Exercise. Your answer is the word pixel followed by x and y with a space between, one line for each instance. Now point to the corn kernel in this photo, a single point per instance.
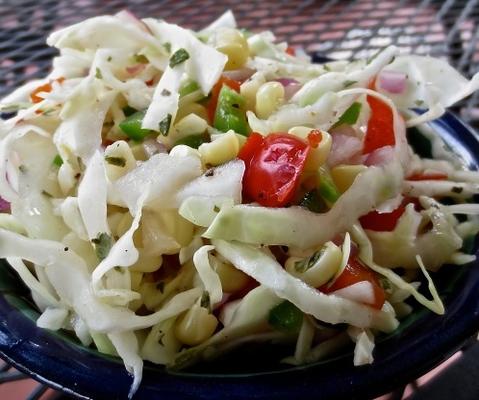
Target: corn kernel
pixel 232 279
pixel 195 326
pixel 317 156
pixel 250 87
pixel 223 149
pixel 269 97
pixel 322 270
pixel 191 108
pixel 232 43
pixel 344 175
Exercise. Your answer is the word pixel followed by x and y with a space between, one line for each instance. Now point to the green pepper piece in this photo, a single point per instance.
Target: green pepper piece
pixel 187 88
pixel 286 317
pixel 350 116
pixel 231 112
pixel 194 141
pixel 131 126
pixel 57 161
pixel 327 189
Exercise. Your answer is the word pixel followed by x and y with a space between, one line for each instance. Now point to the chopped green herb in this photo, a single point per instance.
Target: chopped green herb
pixel 48 111
pixel 350 116
pixel 327 67
pixel 179 56
pixel 307 263
pixel 457 189
pixel 164 125
pixel 419 103
pixel 57 161
pixel 109 58
pixel 216 209
pixel 117 161
pixel 161 335
pixel 45 193
pixel 22 168
pixel 98 74
pixel 385 283
pixel 165 92
pixel 167 46
pixel 348 83
pixel 13 107
pixel 205 301
pixel 161 286
pixel 370 59
pixel 102 245
pixel 286 317
pixel 140 58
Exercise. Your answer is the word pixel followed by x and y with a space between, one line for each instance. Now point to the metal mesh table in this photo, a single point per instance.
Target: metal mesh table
pixel 334 28
pixel 338 29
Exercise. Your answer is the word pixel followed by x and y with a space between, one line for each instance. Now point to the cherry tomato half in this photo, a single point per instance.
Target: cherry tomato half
pixel 355 272
pixel 273 167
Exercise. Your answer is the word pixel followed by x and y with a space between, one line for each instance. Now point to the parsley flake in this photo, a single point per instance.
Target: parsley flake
pixel 348 83
pixel 141 59
pixel 102 243
pixel 178 57
pixel 117 161
pixel 164 125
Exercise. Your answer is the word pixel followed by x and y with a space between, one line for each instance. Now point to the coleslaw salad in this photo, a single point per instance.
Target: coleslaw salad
pixel 169 195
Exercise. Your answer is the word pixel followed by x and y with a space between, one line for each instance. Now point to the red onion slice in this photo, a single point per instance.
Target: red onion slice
pixel 152 147
pixel 291 86
pixel 128 16
pixel 135 69
pixel 392 81
pixel 239 75
pixel 344 149
pixel 287 81
pixel 4 205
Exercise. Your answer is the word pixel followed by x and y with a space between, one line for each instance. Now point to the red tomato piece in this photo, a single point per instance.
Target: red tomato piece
pixel 314 138
pixel 436 176
pixel 355 272
pixel 215 92
pixel 382 222
pixel 273 168
pixel 254 142
pixel 380 131
pixel 291 51
pixel 47 87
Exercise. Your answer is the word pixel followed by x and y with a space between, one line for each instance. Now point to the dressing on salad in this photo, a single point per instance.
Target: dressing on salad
pixel 169 195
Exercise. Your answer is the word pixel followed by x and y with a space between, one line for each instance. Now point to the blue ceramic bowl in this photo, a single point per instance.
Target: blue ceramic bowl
pixel 422 341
